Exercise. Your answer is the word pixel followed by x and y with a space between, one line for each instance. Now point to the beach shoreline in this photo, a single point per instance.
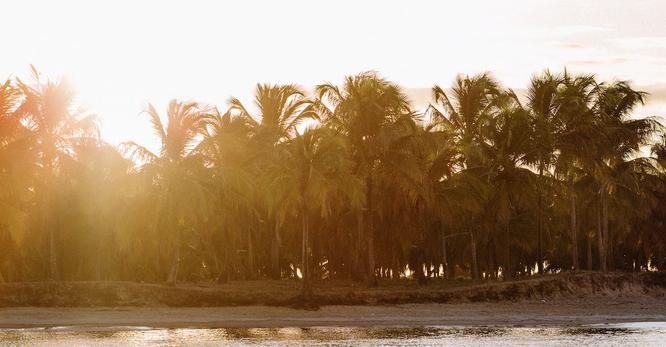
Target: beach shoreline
pixel 287 293
pixel 542 313
pixel 557 300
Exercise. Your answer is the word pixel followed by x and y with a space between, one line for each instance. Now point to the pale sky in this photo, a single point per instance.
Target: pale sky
pixel 120 55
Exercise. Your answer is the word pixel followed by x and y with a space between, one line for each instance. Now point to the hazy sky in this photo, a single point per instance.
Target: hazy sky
pixel 123 54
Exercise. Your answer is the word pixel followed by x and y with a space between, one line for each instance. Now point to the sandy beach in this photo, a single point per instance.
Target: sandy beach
pixel 558 312
pixel 568 299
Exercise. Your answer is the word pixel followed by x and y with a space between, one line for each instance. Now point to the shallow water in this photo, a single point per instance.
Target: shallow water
pixel 629 334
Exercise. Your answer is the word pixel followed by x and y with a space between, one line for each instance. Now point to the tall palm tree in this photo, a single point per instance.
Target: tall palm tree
pixel 435 153
pixel 371 113
pixel 469 107
pixel 226 147
pixel 543 105
pixel 506 173
pixel 47 111
pixel 621 137
pixel 281 109
pixel 575 141
pixel 659 151
pixel 314 172
pixel 174 171
pixel 15 169
pixel 101 178
pixel 493 184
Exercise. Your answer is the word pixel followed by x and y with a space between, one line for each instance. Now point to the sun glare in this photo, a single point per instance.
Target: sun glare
pixel 123 54
pixel 214 172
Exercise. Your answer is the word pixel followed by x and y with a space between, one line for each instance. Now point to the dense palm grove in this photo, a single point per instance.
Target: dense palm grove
pixel 349 183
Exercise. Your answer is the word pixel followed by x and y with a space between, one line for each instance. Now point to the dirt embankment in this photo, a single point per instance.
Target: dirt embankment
pixel 286 293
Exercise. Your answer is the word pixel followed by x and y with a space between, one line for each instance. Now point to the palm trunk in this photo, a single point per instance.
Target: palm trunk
pixel 574 236
pixel 509 273
pixel 53 261
pixel 250 254
pixel 589 251
pixel 604 224
pixel 395 267
pixel 358 270
pixel 98 260
pixel 451 270
pixel 175 264
pixel 445 263
pixel 306 290
pixel 2 278
pixel 228 264
pixel 162 223
pixel 451 265
pixel 600 236
pixel 475 267
pixel 275 252
pixel 372 279
pixel 218 268
pixel 48 224
pixel 350 255
pixel 539 223
pixel 422 277
pixel 99 246
pixel 492 260
pixel 610 264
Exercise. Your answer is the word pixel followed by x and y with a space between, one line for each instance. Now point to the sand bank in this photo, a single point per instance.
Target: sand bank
pixel 558 312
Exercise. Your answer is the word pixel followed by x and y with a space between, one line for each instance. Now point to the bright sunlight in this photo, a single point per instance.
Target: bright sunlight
pixel 333 173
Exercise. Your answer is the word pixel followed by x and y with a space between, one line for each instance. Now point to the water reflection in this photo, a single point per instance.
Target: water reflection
pixel 633 334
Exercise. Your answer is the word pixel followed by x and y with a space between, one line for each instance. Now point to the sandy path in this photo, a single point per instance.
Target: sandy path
pixel 570 312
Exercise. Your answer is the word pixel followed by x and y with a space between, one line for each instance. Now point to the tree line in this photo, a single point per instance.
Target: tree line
pixel 350 182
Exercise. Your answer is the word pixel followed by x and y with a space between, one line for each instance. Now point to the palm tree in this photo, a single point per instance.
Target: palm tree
pixel 621 137
pixel 226 147
pixel 15 169
pixel 174 171
pixel 659 152
pixel 55 125
pixel 543 104
pixel 575 140
pixel 470 108
pixel 313 172
pixel 509 141
pixel 281 109
pixel 101 177
pixel 492 184
pixel 435 152
pixel 637 188
pixel 371 113
pixel 466 111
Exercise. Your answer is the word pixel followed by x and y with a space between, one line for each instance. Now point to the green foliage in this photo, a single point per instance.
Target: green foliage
pixel 351 183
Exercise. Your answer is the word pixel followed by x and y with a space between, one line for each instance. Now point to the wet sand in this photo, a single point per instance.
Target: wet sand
pixel 534 313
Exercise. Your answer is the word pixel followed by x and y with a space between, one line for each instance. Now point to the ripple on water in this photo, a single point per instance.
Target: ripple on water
pixel 626 334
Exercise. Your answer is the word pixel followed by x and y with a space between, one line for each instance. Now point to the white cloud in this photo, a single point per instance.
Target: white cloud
pixel 567 30
pixel 633 43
